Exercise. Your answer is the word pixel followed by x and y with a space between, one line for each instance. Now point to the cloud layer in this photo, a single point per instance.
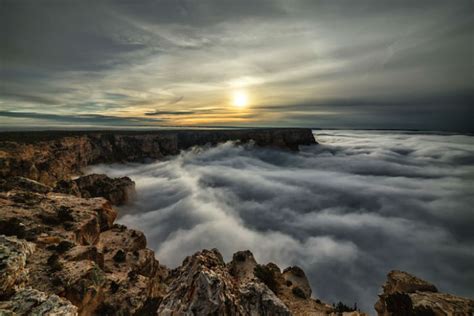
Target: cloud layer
pixel 128 58
pixel 347 211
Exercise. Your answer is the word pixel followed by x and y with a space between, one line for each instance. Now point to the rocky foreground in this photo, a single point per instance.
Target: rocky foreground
pixel 62 254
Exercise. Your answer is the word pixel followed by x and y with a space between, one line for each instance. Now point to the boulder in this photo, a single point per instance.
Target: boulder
pixel 296 276
pixel 117 190
pixel 405 294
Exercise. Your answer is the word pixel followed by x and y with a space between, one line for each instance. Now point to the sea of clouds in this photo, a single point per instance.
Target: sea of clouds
pixel 347 211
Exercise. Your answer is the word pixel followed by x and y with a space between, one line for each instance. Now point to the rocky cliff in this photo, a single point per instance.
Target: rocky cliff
pixel 49 157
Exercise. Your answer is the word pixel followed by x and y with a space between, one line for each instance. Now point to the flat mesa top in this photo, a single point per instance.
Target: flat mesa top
pixel 46 135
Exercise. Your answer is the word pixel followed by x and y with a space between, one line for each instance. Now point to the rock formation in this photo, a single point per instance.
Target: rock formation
pixel 33 302
pixel 48 157
pixel 118 191
pixel 68 246
pixel 405 294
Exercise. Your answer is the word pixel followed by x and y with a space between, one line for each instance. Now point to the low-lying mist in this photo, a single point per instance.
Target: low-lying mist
pixel 347 211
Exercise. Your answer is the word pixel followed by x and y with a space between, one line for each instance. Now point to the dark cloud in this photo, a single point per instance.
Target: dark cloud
pixel 347 211
pixel 159 113
pixel 60 36
pixel 83 118
pixel 442 112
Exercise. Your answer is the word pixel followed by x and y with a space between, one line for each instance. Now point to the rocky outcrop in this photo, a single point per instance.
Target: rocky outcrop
pixel 13 271
pixel 205 285
pixel 117 190
pixel 79 255
pixel 405 294
pixel 49 157
pixel 33 302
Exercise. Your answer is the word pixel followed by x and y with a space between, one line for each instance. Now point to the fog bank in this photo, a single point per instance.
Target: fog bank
pixel 347 211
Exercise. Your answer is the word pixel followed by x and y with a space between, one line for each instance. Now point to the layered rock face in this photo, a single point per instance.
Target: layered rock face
pixel 405 294
pixel 118 191
pixel 67 246
pixel 48 157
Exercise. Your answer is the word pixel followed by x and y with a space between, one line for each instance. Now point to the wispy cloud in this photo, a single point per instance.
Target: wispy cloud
pixel 113 56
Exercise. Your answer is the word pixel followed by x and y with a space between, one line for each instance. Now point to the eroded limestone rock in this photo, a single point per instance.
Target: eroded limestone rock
pixel 13 271
pixel 117 190
pixel 76 241
pixel 405 294
pixel 33 302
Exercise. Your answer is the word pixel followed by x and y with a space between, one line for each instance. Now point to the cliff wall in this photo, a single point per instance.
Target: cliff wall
pixel 52 156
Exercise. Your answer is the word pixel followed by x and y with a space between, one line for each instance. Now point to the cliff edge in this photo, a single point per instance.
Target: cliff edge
pixel 51 156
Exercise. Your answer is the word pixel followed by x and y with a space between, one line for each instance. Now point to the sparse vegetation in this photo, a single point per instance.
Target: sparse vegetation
pixel 97 276
pixel 298 292
pixel 340 307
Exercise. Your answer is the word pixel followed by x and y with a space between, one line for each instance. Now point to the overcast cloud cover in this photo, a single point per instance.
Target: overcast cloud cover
pixel 364 64
pixel 347 211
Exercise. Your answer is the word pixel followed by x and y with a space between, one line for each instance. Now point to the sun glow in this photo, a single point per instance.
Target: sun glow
pixel 240 99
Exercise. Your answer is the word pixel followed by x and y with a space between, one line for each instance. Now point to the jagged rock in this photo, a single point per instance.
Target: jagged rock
pixel 205 285
pixel 242 265
pixel 82 283
pixel 33 302
pixel 405 294
pixel 250 275
pixel 118 190
pixel 13 272
pixel 80 253
pixel 402 282
pixel 257 299
pixel 75 241
pixel 201 286
pixel 298 280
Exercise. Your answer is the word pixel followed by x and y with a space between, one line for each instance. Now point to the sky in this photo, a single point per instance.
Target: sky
pixel 349 210
pixel 327 64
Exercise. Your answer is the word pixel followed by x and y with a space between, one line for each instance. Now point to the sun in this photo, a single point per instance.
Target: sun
pixel 240 99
